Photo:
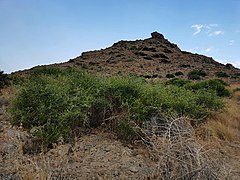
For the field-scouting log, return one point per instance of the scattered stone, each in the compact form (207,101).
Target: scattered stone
(1,111)
(1,127)
(133,169)
(4,102)
(32,146)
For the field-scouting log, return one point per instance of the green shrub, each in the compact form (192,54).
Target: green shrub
(126,130)
(57,101)
(177,82)
(172,99)
(170,76)
(236,75)
(216,85)
(15,79)
(4,80)
(236,89)
(56,104)
(221,74)
(42,70)
(194,77)
(196,74)
(179,73)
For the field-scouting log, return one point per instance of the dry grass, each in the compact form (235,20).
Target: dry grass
(179,154)
(226,124)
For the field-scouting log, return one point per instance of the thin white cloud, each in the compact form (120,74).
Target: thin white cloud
(208,49)
(209,29)
(216,33)
(198,28)
(231,42)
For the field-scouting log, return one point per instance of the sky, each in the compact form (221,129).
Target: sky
(37,32)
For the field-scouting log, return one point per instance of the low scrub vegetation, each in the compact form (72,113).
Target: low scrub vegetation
(179,73)
(236,89)
(236,75)
(196,74)
(4,80)
(170,76)
(56,101)
(222,74)
(216,86)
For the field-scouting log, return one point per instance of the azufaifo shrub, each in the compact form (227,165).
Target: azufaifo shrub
(59,101)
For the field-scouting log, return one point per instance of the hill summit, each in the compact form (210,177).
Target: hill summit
(154,57)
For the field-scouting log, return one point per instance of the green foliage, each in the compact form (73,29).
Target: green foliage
(57,101)
(46,71)
(179,73)
(177,82)
(221,74)
(4,80)
(170,76)
(196,74)
(172,99)
(215,85)
(56,104)
(126,130)
(236,75)
(15,79)
(236,89)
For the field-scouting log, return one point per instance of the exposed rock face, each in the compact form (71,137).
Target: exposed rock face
(157,35)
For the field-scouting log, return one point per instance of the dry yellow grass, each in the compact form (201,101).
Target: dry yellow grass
(226,124)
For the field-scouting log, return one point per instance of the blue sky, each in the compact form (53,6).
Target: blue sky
(35,32)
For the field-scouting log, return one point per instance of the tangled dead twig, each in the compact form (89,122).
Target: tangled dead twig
(177,152)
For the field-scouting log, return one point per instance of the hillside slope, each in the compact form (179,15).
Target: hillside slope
(152,57)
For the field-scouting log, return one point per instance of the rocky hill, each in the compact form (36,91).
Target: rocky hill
(154,57)
(133,139)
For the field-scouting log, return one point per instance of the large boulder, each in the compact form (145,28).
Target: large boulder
(157,35)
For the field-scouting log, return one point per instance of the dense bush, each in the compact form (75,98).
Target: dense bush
(236,75)
(236,89)
(177,82)
(172,99)
(56,104)
(196,74)
(170,76)
(221,74)
(179,73)
(4,80)
(216,85)
(57,101)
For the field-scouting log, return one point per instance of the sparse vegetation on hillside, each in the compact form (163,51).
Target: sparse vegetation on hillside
(3,79)
(57,101)
(222,74)
(179,73)
(170,76)
(196,74)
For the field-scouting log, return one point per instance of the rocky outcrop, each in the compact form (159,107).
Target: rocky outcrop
(157,35)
